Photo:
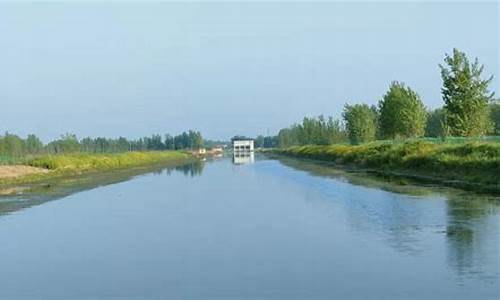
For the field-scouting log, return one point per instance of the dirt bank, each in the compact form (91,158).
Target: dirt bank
(7,172)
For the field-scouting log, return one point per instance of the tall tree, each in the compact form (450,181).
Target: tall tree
(33,144)
(435,122)
(11,145)
(495,117)
(360,121)
(466,96)
(259,141)
(402,113)
(287,137)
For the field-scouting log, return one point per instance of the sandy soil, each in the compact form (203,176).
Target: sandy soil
(18,171)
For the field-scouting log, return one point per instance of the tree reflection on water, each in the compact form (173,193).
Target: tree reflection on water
(472,235)
(411,213)
(52,189)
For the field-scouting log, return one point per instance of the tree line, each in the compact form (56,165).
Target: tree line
(469,110)
(15,146)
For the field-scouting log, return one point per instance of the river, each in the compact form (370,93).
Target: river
(249,229)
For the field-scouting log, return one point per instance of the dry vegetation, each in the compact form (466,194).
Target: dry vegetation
(16,171)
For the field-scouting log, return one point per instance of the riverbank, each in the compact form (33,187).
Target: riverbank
(471,165)
(50,167)
(16,171)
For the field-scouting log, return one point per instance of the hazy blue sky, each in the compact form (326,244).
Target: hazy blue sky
(135,69)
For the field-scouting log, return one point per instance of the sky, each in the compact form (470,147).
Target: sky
(224,68)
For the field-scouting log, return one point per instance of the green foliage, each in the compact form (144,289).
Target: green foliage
(361,123)
(76,164)
(210,144)
(84,161)
(476,162)
(435,121)
(402,113)
(270,142)
(68,143)
(266,141)
(33,144)
(465,95)
(495,117)
(318,131)
(13,147)
(259,141)
(449,140)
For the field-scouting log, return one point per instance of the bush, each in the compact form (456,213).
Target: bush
(479,161)
(82,162)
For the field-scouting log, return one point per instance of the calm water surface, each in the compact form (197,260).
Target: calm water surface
(263,229)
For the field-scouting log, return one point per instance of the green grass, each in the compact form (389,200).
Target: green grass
(474,163)
(79,163)
(448,140)
(10,160)
(84,162)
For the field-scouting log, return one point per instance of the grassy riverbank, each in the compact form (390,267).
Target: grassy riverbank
(469,165)
(80,163)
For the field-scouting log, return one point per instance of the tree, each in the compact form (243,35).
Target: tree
(495,117)
(169,142)
(435,122)
(270,141)
(11,145)
(335,131)
(195,139)
(33,144)
(259,141)
(402,113)
(313,131)
(360,121)
(68,143)
(287,137)
(465,96)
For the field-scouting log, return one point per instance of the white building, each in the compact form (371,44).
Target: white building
(242,145)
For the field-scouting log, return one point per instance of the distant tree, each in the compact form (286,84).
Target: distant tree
(335,132)
(270,141)
(154,142)
(33,144)
(495,117)
(466,96)
(123,145)
(402,113)
(287,137)
(316,131)
(259,141)
(169,142)
(12,145)
(102,145)
(361,123)
(68,143)
(87,145)
(210,144)
(182,141)
(195,140)
(376,113)
(435,122)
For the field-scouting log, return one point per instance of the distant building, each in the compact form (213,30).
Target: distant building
(243,145)
(218,149)
(200,151)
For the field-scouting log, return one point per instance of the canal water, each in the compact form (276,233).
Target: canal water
(249,228)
